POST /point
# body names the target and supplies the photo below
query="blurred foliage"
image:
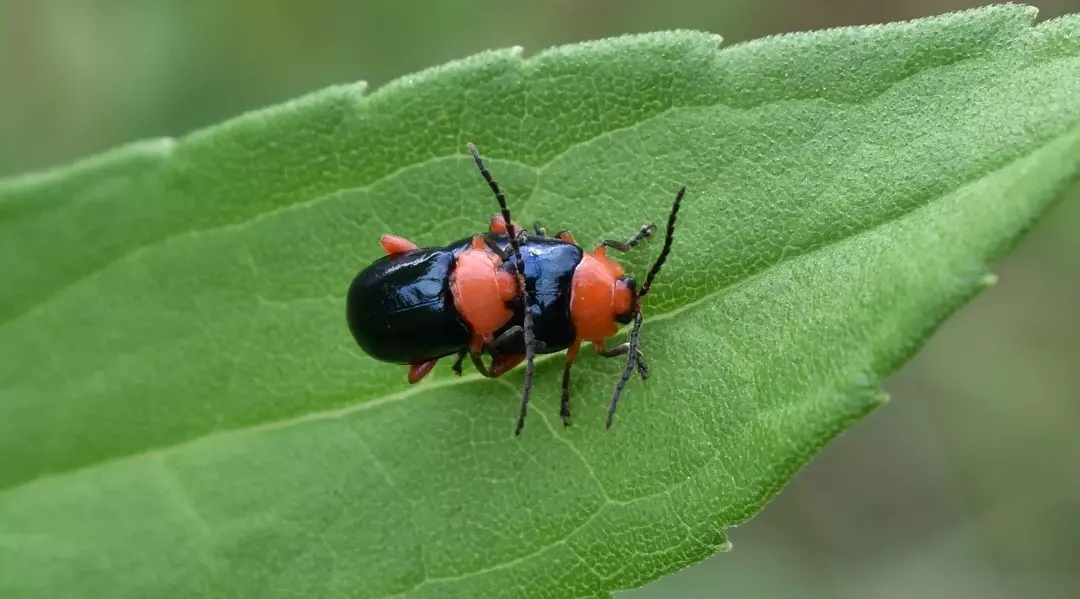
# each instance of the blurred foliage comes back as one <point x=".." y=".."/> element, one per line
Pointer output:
<point x="963" y="486"/>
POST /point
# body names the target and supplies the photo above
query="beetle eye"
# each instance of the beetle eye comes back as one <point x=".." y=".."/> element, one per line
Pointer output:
<point x="627" y="316"/>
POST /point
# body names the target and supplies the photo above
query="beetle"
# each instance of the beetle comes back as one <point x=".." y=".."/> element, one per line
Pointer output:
<point x="416" y="305"/>
<point x="545" y="295"/>
<point x="572" y="296"/>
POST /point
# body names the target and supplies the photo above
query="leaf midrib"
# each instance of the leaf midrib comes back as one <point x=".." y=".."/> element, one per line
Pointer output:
<point x="749" y="277"/>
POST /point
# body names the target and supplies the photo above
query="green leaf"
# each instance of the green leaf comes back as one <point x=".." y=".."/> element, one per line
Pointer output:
<point x="183" y="412"/>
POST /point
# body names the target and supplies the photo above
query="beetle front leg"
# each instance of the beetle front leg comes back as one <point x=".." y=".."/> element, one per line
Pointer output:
<point x="621" y="350"/>
<point x="626" y="246"/>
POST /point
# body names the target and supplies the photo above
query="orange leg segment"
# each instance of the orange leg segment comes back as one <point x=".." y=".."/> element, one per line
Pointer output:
<point x="504" y="363"/>
<point x="498" y="225"/>
<point x="420" y="370"/>
<point x="393" y="244"/>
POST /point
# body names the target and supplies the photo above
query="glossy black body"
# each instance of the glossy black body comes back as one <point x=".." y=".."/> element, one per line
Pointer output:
<point x="549" y="276"/>
<point x="400" y="308"/>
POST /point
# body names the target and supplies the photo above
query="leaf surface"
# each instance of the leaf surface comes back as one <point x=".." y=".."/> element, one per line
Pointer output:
<point x="183" y="412"/>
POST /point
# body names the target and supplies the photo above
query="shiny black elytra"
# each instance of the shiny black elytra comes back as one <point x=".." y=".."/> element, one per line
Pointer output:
<point x="400" y="309"/>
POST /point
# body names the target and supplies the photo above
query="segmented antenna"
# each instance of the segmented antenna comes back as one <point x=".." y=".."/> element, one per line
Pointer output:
<point x="669" y="238"/>
<point x="530" y="339"/>
<point x="632" y="355"/>
<point x="631" y="363"/>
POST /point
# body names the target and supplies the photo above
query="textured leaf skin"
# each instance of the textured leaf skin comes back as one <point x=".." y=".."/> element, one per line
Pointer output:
<point x="183" y="413"/>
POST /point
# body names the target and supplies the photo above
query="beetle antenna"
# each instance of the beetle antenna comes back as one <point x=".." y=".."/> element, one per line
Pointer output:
<point x="635" y="333"/>
<point x="530" y="338"/>
<point x="669" y="238"/>
<point x="631" y="363"/>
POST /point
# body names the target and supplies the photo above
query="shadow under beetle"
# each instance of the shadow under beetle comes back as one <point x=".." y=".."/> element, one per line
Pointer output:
<point x="509" y="293"/>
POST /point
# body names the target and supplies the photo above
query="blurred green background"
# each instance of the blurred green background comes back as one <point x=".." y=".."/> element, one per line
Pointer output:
<point x="966" y="485"/>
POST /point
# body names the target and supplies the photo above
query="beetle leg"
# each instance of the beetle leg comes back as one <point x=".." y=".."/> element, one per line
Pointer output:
<point x="456" y="366"/>
<point x="497" y="225"/>
<point x="564" y="399"/>
<point x="499" y="364"/>
<point x="475" y="349"/>
<point x="478" y="362"/>
<point x="621" y="350"/>
<point x="392" y="244"/>
<point x="507" y="336"/>
<point x="511" y="334"/>
<point x="626" y="246"/>
<point x="503" y="363"/>
<point x="565" y="235"/>
<point x="419" y="370"/>
<point x="479" y="242"/>
<point x="490" y="244"/>
<point x="539" y="229"/>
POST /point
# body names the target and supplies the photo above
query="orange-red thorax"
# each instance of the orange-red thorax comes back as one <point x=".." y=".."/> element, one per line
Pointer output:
<point x="481" y="291"/>
<point x="597" y="296"/>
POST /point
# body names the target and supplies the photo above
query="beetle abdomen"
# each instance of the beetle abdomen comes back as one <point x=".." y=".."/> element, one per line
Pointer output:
<point x="400" y="308"/>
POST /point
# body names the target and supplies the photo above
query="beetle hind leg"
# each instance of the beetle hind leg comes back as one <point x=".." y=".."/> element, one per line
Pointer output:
<point x="418" y="370"/>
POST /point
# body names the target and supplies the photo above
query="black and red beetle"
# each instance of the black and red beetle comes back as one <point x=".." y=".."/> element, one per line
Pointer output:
<point x="509" y="293"/>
